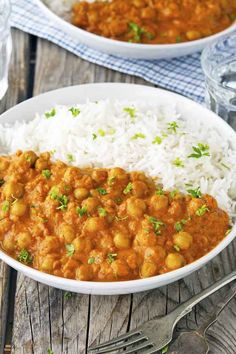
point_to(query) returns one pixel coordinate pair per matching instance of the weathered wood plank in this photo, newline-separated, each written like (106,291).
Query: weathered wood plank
(17,92)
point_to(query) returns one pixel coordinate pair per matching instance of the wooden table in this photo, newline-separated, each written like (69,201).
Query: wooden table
(35,317)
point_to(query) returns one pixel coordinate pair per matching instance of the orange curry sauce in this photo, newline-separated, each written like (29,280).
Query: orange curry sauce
(154,21)
(100,224)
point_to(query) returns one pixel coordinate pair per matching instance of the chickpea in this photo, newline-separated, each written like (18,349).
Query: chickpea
(135,207)
(159,202)
(18,208)
(84,272)
(120,268)
(13,189)
(49,245)
(192,35)
(183,240)
(118,174)
(70,174)
(99,175)
(81,193)
(67,232)
(47,263)
(30,157)
(9,243)
(174,261)
(156,254)
(149,269)
(82,244)
(4,163)
(5,226)
(148,13)
(146,239)
(24,239)
(95,224)
(106,242)
(122,241)
(138,3)
(41,164)
(139,189)
(175,209)
(194,205)
(91,204)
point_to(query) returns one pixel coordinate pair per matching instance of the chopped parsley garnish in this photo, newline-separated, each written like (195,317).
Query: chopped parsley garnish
(50,351)
(101,132)
(131,111)
(180,224)
(102,191)
(172,127)
(156,224)
(91,260)
(94,136)
(81,211)
(70,158)
(74,111)
(63,200)
(111,257)
(1,182)
(202,210)
(195,193)
(138,136)
(165,350)
(5,206)
(102,212)
(176,247)
(46,173)
(178,39)
(67,295)
(173,193)
(178,162)
(111,180)
(159,191)
(157,140)
(128,188)
(25,257)
(199,151)
(138,32)
(70,249)
(54,193)
(51,113)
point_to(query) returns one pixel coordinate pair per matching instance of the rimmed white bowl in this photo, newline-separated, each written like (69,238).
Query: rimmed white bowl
(79,94)
(131,50)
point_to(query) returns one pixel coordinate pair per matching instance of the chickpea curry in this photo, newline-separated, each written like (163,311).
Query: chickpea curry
(101,224)
(154,21)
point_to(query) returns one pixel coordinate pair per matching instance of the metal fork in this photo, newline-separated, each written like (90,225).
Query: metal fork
(157,333)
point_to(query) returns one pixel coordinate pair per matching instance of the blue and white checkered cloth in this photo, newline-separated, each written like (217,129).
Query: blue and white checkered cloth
(182,75)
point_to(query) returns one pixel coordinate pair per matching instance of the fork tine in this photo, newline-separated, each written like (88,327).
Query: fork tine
(135,349)
(112,348)
(116,340)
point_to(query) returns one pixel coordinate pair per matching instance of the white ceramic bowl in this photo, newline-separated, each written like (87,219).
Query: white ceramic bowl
(71,95)
(131,50)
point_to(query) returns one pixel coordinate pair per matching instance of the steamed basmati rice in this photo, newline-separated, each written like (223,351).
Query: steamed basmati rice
(134,136)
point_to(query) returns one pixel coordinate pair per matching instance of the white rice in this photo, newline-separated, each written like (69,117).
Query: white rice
(68,135)
(61,7)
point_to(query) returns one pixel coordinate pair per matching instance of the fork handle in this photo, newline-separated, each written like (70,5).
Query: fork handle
(187,306)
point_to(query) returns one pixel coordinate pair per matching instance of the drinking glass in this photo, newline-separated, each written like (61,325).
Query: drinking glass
(5,45)
(219,66)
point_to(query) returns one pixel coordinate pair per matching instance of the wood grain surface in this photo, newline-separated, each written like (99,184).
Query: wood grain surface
(46,318)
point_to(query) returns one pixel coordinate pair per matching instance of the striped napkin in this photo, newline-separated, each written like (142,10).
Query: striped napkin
(182,75)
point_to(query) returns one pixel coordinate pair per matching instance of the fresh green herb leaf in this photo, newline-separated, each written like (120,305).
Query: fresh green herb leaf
(156,224)
(111,180)
(128,188)
(54,193)
(202,210)
(50,114)
(138,136)
(178,39)
(178,162)
(137,31)
(5,206)
(25,257)
(70,249)
(67,295)
(63,200)
(46,173)
(102,191)
(159,191)
(180,224)
(81,211)
(91,260)
(102,212)
(74,111)
(157,140)
(176,247)
(199,151)
(165,350)
(50,351)
(131,111)
(94,136)
(149,35)
(111,257)
(1,182)
(70,158)
(101,132)
(195,193)
(174,193)
(172,127)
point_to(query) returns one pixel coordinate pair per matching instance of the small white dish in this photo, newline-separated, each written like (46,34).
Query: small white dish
(79,94)
(131,50)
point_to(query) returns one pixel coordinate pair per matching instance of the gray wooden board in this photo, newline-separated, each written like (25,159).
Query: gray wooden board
(45,319)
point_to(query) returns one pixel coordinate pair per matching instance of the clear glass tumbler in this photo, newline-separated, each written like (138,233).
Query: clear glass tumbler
(219,66)
(5,44)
